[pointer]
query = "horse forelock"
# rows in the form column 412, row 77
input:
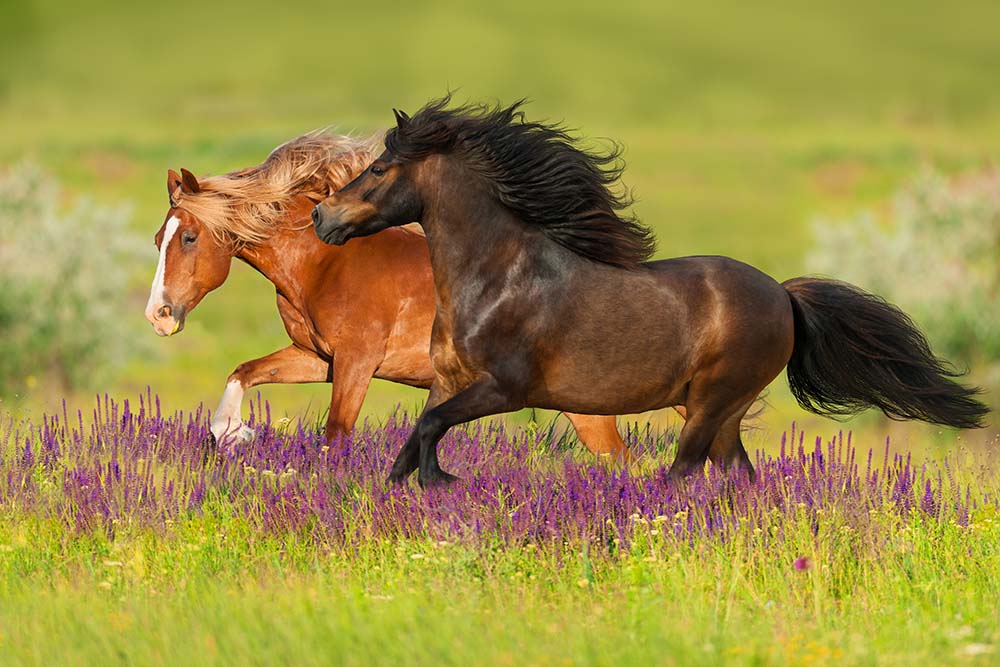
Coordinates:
column 247, row 206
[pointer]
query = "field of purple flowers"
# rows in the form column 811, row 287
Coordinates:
column 826, row 524
column 130, row 465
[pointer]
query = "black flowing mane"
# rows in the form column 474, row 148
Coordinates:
column 538, row 171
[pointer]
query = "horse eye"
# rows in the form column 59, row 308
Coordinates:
column 377, row 170
column 188, row 238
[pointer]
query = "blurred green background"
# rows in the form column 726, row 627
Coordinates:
column 743, row 123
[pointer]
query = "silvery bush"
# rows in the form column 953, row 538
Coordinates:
column 64, row 274
column 936, row 254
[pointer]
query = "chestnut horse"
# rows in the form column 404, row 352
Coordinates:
column 545, row 299
column 349, row 318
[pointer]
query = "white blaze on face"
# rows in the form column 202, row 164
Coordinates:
column 156, row 295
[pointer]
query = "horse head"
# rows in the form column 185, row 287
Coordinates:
column 192, row 262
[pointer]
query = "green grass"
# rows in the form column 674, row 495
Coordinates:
column 210, row 592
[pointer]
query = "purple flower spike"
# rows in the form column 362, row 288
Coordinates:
column 132, row 464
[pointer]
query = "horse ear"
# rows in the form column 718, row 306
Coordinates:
column 190, row 181
column 174, row 183
column 401, row 118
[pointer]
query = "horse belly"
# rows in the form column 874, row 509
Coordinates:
column 411, row 368
column 597, row 397
column 614, row 379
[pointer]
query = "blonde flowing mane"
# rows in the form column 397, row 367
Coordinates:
column 247, row 206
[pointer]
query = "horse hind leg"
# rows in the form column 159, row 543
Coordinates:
column 696, row 438
column 600, row 435
column 713, row 412
column 727, row 450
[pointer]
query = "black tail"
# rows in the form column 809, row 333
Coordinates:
column 853, row 351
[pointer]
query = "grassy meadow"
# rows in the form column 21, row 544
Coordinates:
column 121, row 542
column 125, row 541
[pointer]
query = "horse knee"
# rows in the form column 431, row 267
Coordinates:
column 430, row 426
column 241, row 374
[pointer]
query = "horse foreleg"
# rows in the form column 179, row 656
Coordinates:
column 351, row 377
column 290, row 365
column 600, row 435
column 480, row 399
column 408, row 458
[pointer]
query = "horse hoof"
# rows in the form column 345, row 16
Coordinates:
column 439, row 478
column 396, row 478
column 209, row 449
column 225, row 433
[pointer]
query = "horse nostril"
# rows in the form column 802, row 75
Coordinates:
column 163, row 312
column 315, row 215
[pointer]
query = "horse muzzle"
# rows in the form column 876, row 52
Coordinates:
column 330, row 226
column 166, row 319
column 338, row 222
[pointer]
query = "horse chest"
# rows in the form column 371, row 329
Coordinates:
column 301, row 328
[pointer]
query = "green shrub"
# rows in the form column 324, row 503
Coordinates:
column 936, row 254
column 63, row 283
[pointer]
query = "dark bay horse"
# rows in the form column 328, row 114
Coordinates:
column 545, row 299
column 352, row 313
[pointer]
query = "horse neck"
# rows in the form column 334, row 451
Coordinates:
column 474, row 242
column 287, row 258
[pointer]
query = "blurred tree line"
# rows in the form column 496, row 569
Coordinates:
column 65, row 272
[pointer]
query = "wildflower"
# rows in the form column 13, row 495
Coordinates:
column 802, row 563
